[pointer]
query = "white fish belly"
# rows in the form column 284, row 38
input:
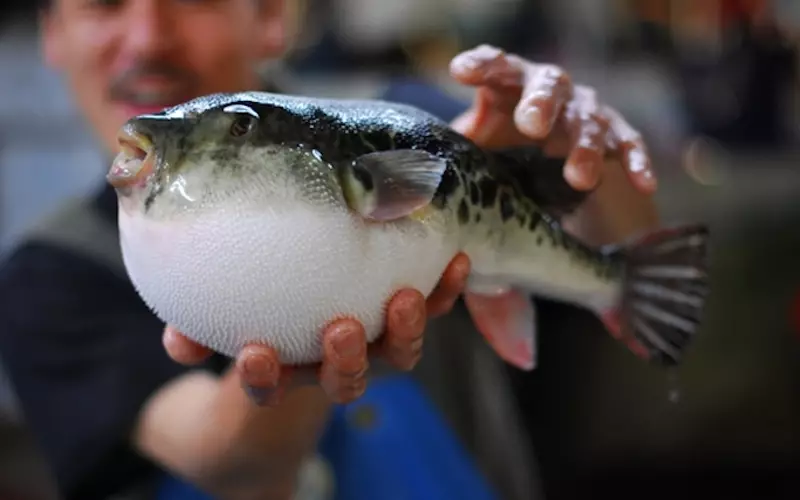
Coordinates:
column 232, row 277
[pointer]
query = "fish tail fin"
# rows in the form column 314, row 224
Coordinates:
column 663, row 295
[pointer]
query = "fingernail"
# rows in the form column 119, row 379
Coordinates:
column 580, row 175
column 346, row 345
column 464, row 268
column 260, row 395
column 410, row 315
column 464, row 62
column 259, row 367
column 647, row 180
column 534, row 121
column 637, row 162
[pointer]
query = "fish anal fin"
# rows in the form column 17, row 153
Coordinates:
column 612, row 320
column 507, row 320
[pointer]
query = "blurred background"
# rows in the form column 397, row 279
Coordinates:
column 713, row 87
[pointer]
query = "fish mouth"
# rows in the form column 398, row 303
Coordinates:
column 134, row 162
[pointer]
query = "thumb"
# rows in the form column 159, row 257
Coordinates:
column 481, row 125
column 464, row 123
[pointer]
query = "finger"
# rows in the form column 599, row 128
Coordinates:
column 464, row 123
column 451, row 285
column 535, row 93
column 502, row 78
column 547, row 90
column 488, row 66
column 638, row 166
column 344, row 366
column 183, row 350
column 487, row 122
column 259, row 369
column 583, row 168
column 401, row 346
column 632, row 152
column 499, row 76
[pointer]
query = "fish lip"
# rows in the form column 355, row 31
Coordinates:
column 135, row 159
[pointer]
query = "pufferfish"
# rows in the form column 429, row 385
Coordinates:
column 260, row 218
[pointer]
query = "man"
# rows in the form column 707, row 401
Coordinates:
column 82, row 350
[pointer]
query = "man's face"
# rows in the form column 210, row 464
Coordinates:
column 128, row 57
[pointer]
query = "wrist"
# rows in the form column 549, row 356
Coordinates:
column 266, row 446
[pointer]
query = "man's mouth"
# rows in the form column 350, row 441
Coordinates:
column 149, row 101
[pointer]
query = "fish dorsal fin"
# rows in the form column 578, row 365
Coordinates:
column 389, row 185
column 541, row 179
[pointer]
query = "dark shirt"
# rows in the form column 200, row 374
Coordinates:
column 83, row 353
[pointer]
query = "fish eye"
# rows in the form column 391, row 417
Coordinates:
column 242, row 125
column 244, row 121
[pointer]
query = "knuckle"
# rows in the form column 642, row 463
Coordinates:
column 613, row 116
column 331, row 389
column 352, row 367
column 356, row 390
column 598, row 120
column 413, row 358
column 448, row 305
column 407, row 360
column 350, row 392
column 397, row 356
column 635, row 141
column 560, row 79
column 551, row 71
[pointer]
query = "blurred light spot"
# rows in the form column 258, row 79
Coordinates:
column 702, row 161
column 364, row 417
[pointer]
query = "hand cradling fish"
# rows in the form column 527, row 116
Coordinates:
column 260, row 218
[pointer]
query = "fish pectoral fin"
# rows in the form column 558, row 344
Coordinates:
column 507, row 320
column 389, row 185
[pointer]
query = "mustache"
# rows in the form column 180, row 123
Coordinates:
column 123, row 87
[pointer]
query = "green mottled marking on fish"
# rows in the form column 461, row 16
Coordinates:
column 393, row 179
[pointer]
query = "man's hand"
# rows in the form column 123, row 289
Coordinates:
column 517, row 102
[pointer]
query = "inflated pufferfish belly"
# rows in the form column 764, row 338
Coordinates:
column 234, row 277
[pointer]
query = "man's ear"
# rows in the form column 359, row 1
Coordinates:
column 50, row 38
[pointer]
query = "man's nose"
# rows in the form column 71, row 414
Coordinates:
column 150, row 28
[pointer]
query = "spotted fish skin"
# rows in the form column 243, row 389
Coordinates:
column 502, row 208
column 515, row 190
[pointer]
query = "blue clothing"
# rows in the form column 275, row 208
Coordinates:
column 390, row 444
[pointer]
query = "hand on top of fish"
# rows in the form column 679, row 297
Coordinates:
column 255, row 211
